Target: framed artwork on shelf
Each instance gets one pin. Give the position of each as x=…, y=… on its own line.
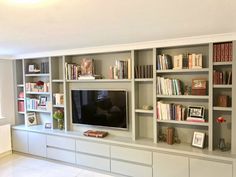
x=196, y=112
x=198, y=139
x=48, y=126
x=31, y=119
x=199, y=86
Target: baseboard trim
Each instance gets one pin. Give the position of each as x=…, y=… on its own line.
x=5, y=154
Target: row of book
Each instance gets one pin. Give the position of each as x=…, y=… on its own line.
x=58, y=99
x=35, y=104
x=33, y=87
x=143, y=71
x=121, y=70
x=222, y=77
x=164, y=62
x=222, y=52
x=44, y=67
x=72, y=71
x=169, y=86
x=171, y=111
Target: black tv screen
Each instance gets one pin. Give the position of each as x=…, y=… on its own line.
x=100, y=107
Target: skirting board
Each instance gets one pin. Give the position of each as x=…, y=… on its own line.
x=5, y=154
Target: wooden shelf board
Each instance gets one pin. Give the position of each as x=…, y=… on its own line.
x=37, y=75
x=21, y=112
x=38, y=110
x=20, y=85
x=222, y=63
x=184, y=122
x=183, y=96
x=58, y=106
x=222, y=86
x=58, y=80
x=20, y=99
x=144, y=111
x=216, y=108
x=183, y=70
x=38, y=93
x=100, y=80
x=143, y=80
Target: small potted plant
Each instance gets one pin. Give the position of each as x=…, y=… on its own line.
x=59, y=116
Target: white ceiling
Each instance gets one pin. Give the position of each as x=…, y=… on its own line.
x=67, y=24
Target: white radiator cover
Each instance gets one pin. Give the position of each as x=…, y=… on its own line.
x=5, y=138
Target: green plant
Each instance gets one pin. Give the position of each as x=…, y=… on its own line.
x=59, y=115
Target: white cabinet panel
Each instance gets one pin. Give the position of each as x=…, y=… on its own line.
x=93, y=162
x=20, y=141
x=61, y=142
x=130, y=154
x=165, y=165
x=61, y=155
x=37, y=144
x=129, y=169
x=205, y=168
x=93, y=148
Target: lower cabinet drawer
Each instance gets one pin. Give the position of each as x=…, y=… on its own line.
x=61, y=155
x=93, y=162
x=130, y=169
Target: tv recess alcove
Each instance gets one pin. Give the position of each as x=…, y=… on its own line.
x=137, y=150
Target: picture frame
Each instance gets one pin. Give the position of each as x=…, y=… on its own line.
x=196, y=112
x=43, y=101
x=31, y=68
x=198, y=139
x=199, y=83
x=48, y=125
x=178, y=62
x=31, y=119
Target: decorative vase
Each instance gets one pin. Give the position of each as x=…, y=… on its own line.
x=60, y=124
x=222, y=145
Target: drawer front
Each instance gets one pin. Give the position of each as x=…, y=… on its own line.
x=37, y=144
x=61, y=155
x=93, y=148
x=20, y=141
x=132, y=155
x=205, y=168
x=129, y=169
x=61, y=142
x=93, y=162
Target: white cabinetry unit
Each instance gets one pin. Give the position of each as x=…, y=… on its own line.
x=20, y=141
x=37, y=144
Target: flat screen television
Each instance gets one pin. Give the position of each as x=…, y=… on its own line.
x=106, y=108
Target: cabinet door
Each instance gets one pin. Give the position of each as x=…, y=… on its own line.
x=20, y=141
x=165, y=165
x=37, y=144
x=205, y=168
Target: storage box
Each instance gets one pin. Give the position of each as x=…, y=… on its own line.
x=223, y=101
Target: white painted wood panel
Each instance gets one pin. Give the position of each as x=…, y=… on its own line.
x=205, y=168
x=37, y=144
x=61, y=142
x=132, y=155
x=129, y=169
x=20, y=141
x=93, y=162
x=162, y=163
x=5, y=138
x=93, y=148
x=61, y=155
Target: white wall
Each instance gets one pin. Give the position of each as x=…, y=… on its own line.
x=7, y=101
x=5, y=138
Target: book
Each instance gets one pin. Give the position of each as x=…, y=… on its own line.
x=94, y=133
x=193, y=119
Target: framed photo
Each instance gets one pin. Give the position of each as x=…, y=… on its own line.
x=43, y=101
x=198, y=139
x=196, y=112
x=48, y=126
x=31, y=119
x=199, y=84
x=31, y=68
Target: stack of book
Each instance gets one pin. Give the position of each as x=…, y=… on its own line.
x=222, y=52
x=21, y=107
x=121, y=70
x=32, y=87
x=188, y=61
x=44, y=67
x=72, y=71
x=36, y=104
x=164, y=62
x=222, y=77
x=168, y=86
x=143, y=71
x=171, y=111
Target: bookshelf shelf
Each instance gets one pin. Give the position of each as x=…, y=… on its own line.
x=38, y=93
x=58, y=106
x=20, y=99
x=20, y=85
x=37, y=75
x=38, y=110
x=144, y=111
x=183, y=96
x=21, y=112
x=184, y=122
x=100, y=80
x=222, y=63
x=143, y=80
x=57, y=80
x=171, y=71
x=215, y=108
x=222, y=86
